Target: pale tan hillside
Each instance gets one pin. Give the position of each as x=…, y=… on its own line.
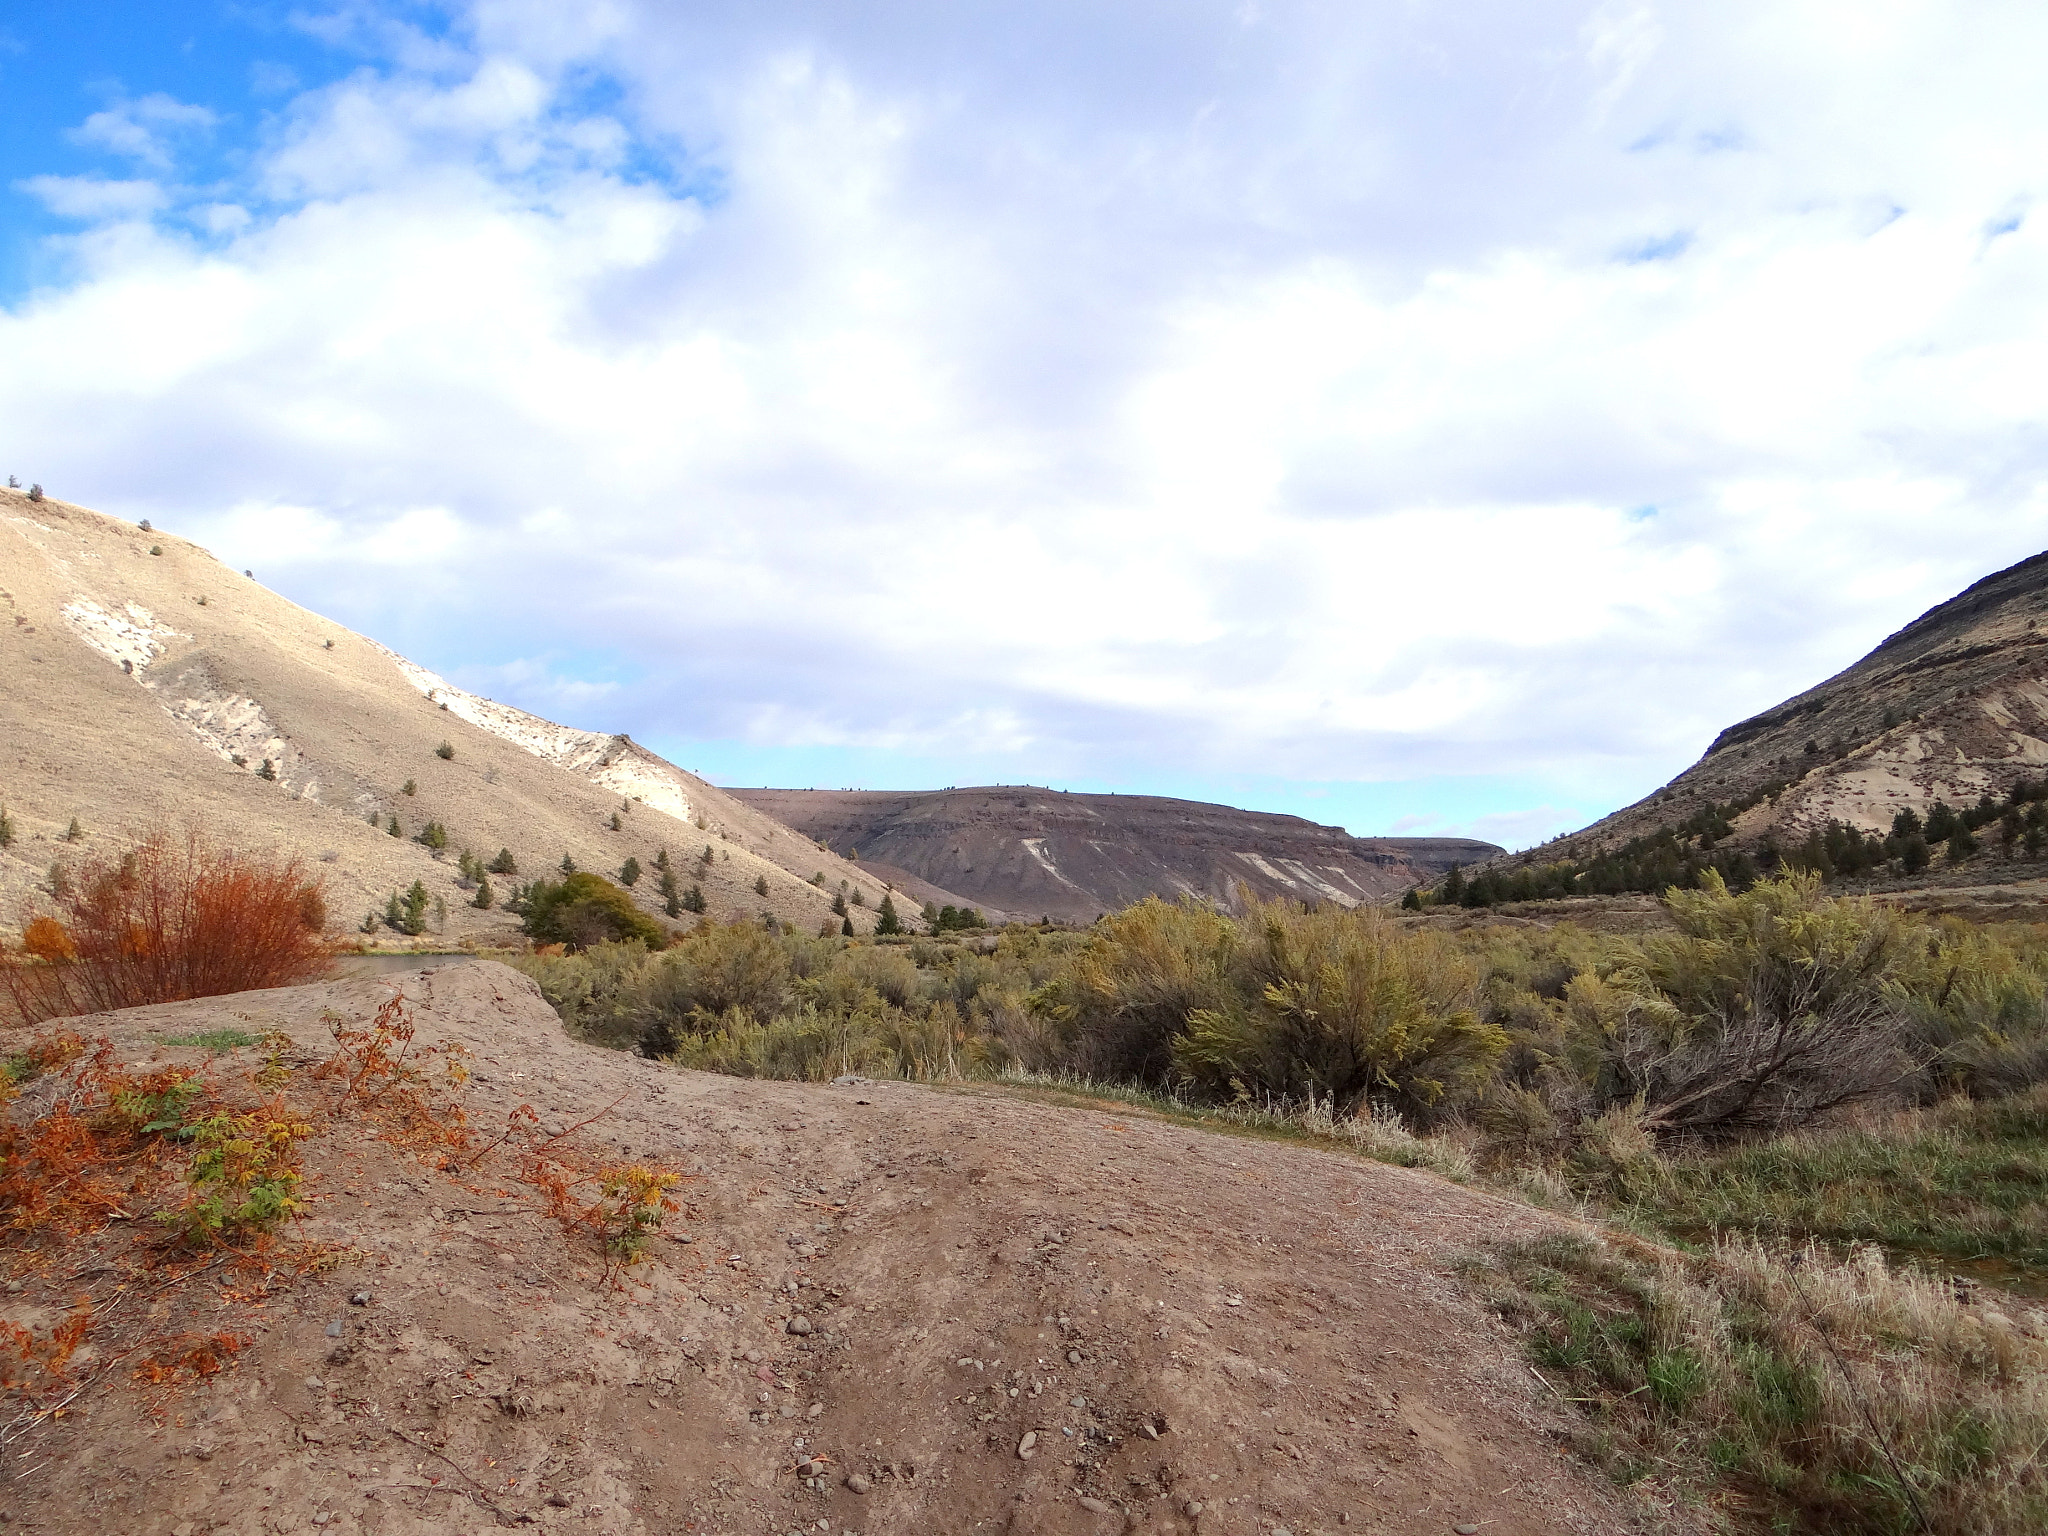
x=133, y=680
x=883, y=1308
x=1951, y=707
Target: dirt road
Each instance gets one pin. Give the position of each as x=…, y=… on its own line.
x=887, y=1308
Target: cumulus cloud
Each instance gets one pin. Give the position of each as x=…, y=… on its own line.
x=1362, y=394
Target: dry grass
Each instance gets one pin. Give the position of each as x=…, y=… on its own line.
x=1790, y=1392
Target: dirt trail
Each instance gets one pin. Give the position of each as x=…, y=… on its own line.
x=1204, y=1334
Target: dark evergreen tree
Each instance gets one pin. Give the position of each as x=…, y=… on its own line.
x=504, y=863
x=886, y=921
x=629, y=872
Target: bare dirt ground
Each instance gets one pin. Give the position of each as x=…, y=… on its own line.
x=885, y=1308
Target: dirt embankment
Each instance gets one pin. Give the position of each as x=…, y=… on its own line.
x=887, y=1308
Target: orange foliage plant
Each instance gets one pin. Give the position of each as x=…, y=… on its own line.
x=173, y=918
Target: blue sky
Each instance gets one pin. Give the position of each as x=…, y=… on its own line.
x=1417, y=418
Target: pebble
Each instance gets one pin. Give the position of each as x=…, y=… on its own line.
x=810, y=1468
x=334, y=1329
x=798, y=1326
x=1193, y=1507
x=816, y=1409
x=1465, y=1530
x=855, y=1483
x=360, y=1299
x=1028, y=1446
x=1078, y=1402
x=315, y=1384
x=1073, y=1357
x=1089, y=1502
x=752, y=1357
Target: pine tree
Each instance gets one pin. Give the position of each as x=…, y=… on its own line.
x=568, y=865
x=859, y=897
x=708, y=854
x=504, y=863
x=267, y=771
x=74, y=833
x=629, y=872
x=1960, y=844
x=886, y=921
x=393, y=828
x=617, y=825
x=433, y=835
x=838, y=906
x=661, y=859
x=846, y=928
x=484, y=899
x=693, y=899
x=1412, y=902
x=1452, y=890
x=760, y=885
x=6, y=827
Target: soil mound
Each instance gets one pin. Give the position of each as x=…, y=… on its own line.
x=882, y=1308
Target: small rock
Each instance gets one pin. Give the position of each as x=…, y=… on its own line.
x=559, y=1500
x=360, y=1299
x=1468, y=1529
x=1028, y=1446
x=1090, y=1502
x=182, y=1528
x=798, y=1326
x=1193, y=1507
x=1073, y=1357
x=855, y=1483
x=752, y=1357
x=816, y=1409
x=14, y=1287
x=315, y=1384
x=810, y=1468
x=322, y=1518
x=334, y=1329
x=1078, y=1402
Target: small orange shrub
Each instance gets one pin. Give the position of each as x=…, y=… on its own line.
x=30, y=1364
x=169, y=920
x=47, y=939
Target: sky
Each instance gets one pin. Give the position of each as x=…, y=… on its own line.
x=1424, y=418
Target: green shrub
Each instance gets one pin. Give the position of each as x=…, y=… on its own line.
x=6, y=828
x=445, y=751
x=410, y=787
x=267, y=771
x=483, y=899
x=761, y=885
x=582, y=909
x=433, y=835
x=629, y=872
x=886, y=922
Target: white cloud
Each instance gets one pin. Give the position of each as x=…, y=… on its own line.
x=94, y=198
x=146, y=129
x=1319, y=394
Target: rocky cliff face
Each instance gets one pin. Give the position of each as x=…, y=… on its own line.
x=1953, y=706
x=1037, y=852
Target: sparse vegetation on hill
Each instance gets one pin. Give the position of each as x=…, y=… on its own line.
x=582, y=909
x=1685, y=853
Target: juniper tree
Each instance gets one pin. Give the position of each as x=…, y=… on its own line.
x=483, y=898
x=629, y=872
x=886, y=921
x=445, y=751
x=617, y=825
x=410, y=788
x=838, y=905
x=709, y=856
x=6, y=827
x=761, y=885
x=393, y=828
x=267, y=771
x=661, y=859
x=74, y=833
x=568, y=865
x=504, y=863
x=433, y=835
x=693, y=899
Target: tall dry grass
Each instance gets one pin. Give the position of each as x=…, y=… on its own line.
x=174, y=917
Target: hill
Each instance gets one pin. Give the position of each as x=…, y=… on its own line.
x=1951, y=709
x=148, y=682
x=1039, y=852
x=881, y=1308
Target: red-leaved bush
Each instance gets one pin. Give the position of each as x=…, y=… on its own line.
x=173, y=918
